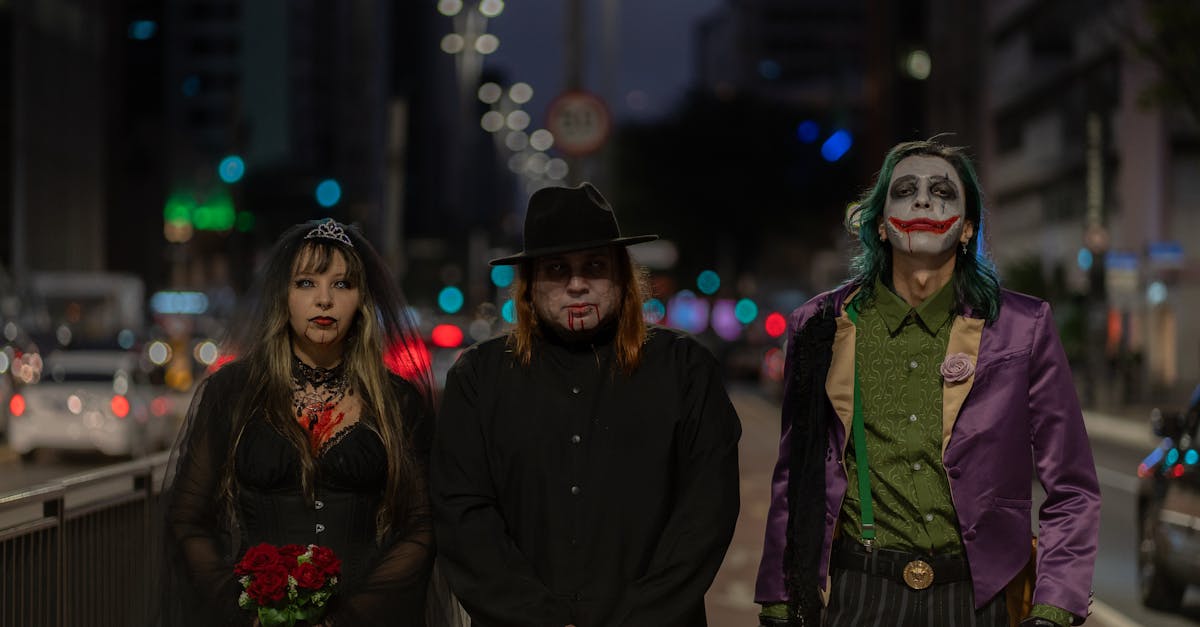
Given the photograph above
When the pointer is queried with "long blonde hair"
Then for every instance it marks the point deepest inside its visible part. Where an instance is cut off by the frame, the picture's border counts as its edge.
(266, 349)
(632, 280)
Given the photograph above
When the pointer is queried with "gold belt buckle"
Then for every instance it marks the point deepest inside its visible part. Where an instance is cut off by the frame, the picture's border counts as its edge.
(918, 575)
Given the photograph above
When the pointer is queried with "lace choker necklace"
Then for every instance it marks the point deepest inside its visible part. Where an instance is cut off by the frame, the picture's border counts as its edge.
(316, 376)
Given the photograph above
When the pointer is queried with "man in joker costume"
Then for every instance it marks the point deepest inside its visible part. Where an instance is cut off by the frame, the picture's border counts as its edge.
(920, 398)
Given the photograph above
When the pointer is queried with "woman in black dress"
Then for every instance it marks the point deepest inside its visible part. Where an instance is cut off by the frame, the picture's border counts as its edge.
(309, 437)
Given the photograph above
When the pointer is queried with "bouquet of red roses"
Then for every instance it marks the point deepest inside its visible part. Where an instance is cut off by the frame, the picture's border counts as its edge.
(287, 583)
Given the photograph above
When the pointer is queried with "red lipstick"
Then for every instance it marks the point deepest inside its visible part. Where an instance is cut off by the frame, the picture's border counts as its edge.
(923, 224)
(323, 320)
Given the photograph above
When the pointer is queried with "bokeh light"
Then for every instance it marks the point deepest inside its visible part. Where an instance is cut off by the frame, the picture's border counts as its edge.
(746, 311)
(708, 282)
(541, 139)
(502, 276)
(520, 93)
(685, 311)
(491, 8)
(449, 8)
(446, 336)
(808, 131)
(487, 43)
(724, 320)
(508, 311)
(518, 120)
(492, 121)
(232, 169)
(653, 311)
(775, 324)
(450, 299)
(836, 146)
(453, 43)
(918, 64)
(328, 193)
(490, 92)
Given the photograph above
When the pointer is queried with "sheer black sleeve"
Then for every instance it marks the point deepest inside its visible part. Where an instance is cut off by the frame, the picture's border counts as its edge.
(199, 587)
(396, 585)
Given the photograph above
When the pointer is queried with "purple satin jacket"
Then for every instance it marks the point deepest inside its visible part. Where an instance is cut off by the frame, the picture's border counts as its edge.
(1018, 412)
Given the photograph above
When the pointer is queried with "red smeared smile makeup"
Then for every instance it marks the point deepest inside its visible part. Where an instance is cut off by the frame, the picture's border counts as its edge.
(324, 321)
(923, 224)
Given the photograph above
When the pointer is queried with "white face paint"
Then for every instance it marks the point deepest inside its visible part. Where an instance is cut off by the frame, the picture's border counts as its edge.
(575, 292)
(321, 306)
(925, 213)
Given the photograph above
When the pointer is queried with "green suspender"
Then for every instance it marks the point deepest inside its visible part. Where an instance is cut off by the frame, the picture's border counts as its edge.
(860, 453)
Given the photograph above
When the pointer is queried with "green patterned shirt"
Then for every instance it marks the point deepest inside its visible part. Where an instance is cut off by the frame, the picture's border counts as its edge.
(898, 353)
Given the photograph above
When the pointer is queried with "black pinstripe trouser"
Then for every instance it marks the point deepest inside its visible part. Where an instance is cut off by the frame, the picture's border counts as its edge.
(858, 599)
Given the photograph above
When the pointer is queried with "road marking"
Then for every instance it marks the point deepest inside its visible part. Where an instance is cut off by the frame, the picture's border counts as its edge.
(1117, 480)
(1110, 617)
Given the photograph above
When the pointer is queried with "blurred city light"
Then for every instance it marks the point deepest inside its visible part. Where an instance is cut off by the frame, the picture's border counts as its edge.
(232, 169)
(1084, 259)
(4, 363)
(502, 276)
(142, 30)
(192, 303)
(158, 352)
(125, 339)
(449, 8)
(541, 139)
(1191, 457)
(1172, 456)
(724, 320)
(328, 192)
(516, 163)
(450, 299)
(836, 146)
(509, 311)
(492, 121)
(16, 405)
(770, 69)
(453, 43)
(745, 311)
(1177, 471)
(206, 352)
(918, 64)
(775, 324)
(536, 163)
(808, 131)
(516, 141)
(653, 311)
(556, 169)
(708, 282)
(63, 335)
(520, 93)
(518, 120)
(491, 8)
(487, 43)
(244, 222)
(190, 86)
(490, 93)
(10, 331)
(1156, 293)
(446, 336)
(479, 330)
(687, 312)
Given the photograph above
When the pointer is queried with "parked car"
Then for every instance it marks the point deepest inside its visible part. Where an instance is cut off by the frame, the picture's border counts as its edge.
(87, 400)
(1169, 511)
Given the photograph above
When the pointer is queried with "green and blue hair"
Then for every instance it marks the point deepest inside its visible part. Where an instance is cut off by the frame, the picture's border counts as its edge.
(976, 283)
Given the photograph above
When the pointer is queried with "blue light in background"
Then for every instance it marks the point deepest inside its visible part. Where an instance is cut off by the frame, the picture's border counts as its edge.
(746, 311)
(708, 282)
(1191, 457)
(191, 85)
(179, 303)
(653, 311)
(808, 131)
(450, 299)
(232, 169)
(509, 311)
(1156, 293)
(769, 69)
(328, 193)
(1084, 259)
(837, 145)
(142, 30)
(1172, 456)
(502, 276)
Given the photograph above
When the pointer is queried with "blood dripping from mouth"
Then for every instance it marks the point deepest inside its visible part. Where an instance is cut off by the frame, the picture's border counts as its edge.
(577, 316)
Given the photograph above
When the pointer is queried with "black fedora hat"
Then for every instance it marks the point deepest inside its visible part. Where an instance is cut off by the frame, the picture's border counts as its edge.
(566, 219)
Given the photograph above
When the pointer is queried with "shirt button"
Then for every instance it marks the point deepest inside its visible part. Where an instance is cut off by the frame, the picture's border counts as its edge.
(575, 390)
(917, 466)
(318, 504)
(912, 365)
(320, 527)
(912, 418)
(575, 490)
(928, 517)
(575, 439)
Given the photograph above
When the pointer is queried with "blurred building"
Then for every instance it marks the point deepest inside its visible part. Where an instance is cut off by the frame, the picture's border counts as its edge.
(1092, 185)
(81, 112)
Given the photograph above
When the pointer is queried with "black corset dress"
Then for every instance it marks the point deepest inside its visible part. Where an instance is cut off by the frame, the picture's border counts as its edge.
(350, 478)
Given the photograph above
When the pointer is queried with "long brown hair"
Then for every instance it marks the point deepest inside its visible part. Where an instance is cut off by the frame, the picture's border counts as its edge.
(632, 280)
(265, 345)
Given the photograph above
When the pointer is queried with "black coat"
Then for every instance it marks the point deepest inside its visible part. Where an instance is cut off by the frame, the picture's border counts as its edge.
(567, 492)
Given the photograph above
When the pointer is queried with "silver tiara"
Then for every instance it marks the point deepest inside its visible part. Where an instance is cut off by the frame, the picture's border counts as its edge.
(330, 230)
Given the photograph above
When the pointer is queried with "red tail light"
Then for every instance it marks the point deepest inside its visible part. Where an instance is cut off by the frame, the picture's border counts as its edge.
(120, 406)
(159, 406)
(16, 405)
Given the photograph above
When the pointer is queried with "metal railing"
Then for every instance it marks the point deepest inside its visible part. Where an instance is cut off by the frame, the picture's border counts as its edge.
(80, 550)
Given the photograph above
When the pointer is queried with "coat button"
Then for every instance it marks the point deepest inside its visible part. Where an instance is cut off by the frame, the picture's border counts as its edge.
(969, 535)
(575, 439)
(575, 490)
(320, 527)
(575, 390)
(318, 504)
(912, 365)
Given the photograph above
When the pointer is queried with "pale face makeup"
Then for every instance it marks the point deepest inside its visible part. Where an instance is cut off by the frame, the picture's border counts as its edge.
(321, 307)
(925, 212)
(576, 292)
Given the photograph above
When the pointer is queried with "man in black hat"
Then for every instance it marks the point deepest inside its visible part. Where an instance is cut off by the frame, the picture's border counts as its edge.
(585, 467)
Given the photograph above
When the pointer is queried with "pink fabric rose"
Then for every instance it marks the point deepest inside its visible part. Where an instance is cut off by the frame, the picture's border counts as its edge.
(957, 368)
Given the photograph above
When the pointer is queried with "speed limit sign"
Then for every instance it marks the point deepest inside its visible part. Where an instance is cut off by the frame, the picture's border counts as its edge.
(579, 121)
